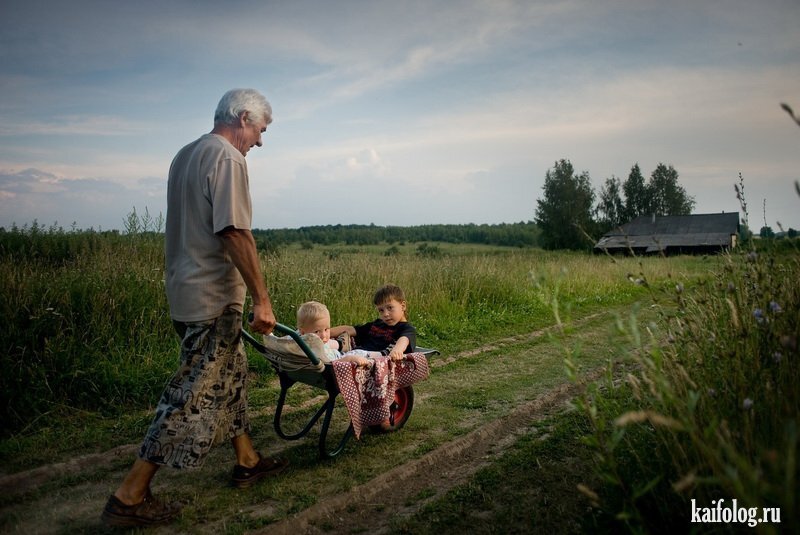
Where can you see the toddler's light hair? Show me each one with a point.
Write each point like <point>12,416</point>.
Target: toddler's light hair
<point>311,311</point>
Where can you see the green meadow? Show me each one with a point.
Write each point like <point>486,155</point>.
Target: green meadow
<point>87,327</point>
<point>700,398</point>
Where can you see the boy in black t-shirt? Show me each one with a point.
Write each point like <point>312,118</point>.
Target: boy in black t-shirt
<point>390,333</point>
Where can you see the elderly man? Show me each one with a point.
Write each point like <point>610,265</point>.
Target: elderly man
<point>211,261</point>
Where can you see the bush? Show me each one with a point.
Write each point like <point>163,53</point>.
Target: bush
<point>429,251</point>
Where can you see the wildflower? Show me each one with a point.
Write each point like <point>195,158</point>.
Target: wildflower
<point>731,287</point>
<point>679,288</point>
<point>758,314</point>
<point>752,256</point>
<point>777,356</point>
<point>747,404</point>
<point>775,307</point>
<point>711,392</point>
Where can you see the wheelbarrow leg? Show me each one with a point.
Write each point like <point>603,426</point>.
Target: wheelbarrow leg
<point>323,434</point>
<point>285,385</point>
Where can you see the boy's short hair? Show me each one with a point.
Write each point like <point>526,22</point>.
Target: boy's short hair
<point>387,293</point>
<point>311,311</point>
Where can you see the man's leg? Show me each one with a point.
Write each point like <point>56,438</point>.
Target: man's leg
<point>251,467</point>
<point>136,485</point>
<point>132,505</point>
<point>246,455</point>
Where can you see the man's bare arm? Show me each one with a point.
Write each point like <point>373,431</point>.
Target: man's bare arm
<point>241,247</point>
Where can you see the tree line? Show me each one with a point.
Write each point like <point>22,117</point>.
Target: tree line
<point>566,215</point>
<point>522,234</point>
<point>569,218</point>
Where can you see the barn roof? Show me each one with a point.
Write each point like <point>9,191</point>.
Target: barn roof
<point>654,233</point>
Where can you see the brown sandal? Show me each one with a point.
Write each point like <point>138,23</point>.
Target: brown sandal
<point>148,512</point>
<point>243,477</point>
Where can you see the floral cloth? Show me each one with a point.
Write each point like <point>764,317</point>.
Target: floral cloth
<point>369,392</point>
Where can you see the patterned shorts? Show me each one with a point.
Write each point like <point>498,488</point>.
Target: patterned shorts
<point>206,400</point>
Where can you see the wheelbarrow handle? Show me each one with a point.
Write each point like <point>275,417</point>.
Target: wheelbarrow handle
<point>283,329</point>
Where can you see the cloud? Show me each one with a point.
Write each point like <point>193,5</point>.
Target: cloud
<point>33,194</point>
<point>393,45</point>
<point>77,125</point>
<point>367,162</point>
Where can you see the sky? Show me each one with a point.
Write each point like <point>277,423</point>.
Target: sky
<point>397,112</point>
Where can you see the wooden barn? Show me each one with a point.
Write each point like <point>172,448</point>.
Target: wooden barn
<point>674,234</point>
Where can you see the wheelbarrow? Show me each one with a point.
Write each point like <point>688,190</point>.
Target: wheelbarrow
<point>295,361</point>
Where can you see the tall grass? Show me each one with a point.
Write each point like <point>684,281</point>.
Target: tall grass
<point>455,297</point>
<point>87,327</point>
<point>709,405</point>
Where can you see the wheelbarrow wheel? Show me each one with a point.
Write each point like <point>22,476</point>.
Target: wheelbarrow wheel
<point>399,411</point>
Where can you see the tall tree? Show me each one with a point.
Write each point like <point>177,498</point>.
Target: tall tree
<point>667,197</point>
<point>564,213</point>
<point>635,190</point>
<point>610,208</point>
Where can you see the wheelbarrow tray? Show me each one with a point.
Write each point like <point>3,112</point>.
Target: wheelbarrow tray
<point>303,366</point>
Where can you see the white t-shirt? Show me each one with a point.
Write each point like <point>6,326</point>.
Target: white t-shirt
<point>208,191</point>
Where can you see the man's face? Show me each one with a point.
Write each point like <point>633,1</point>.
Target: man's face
<point>251,134</point>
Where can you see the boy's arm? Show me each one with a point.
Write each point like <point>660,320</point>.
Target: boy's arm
<point>341,329</point>
<point>399,348</point>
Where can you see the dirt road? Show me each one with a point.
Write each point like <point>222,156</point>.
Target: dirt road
<point>434,474</point>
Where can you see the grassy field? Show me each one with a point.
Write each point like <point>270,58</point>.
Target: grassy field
<point>87,327</point>
<point>703,403</point>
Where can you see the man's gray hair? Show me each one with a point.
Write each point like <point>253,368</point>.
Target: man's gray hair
<point>237,101</point>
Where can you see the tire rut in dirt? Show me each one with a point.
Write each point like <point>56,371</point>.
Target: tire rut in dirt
<point>436,472</point>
